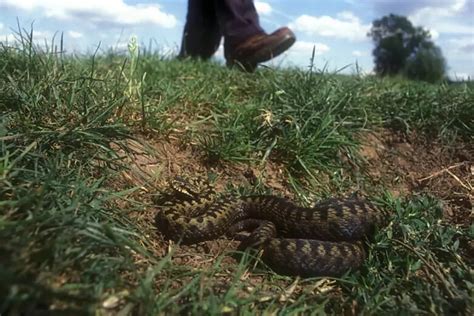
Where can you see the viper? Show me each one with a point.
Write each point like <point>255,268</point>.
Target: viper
<point>326,239</point>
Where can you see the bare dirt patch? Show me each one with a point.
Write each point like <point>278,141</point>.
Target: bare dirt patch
<point>405,165</point>
<point>411,165</point>
<point>153,162</point>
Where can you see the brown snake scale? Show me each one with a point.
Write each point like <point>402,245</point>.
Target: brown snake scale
<point>323,240</point>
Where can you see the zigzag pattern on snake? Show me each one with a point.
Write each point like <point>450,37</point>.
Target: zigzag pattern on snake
<point>323,240</point>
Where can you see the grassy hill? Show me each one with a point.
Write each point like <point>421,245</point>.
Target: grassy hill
<point>88,142</point>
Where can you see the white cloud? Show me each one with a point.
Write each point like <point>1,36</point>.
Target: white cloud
<point>348,16</point>
<point>443,17</point>
<point>345,26</point>
<point>42,35</point>
<point>458,5</point>
<point>302,47</point>
<point>1,26</point>
<point>97,12</point>
<point>405,8</point>
<point>452,27</point>
<point>434,34</point>
<point>461,76</point>
<point>263,8</point>
<point>7,38</point>
<point>121,46</point>
<point>358,53</point>
<point>41,38</point>
<point>462,45</point>
<point>75,34</point>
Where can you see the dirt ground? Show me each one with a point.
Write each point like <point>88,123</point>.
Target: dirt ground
<point>410,165</point>
<point>403,164</point>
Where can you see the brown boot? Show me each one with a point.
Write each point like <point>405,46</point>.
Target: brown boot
<point>260,48</point>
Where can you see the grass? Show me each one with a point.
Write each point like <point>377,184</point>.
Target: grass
<point>69,235</point>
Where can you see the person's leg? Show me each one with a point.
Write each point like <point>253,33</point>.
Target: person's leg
<point>202,33</point>
<point>238,20</point>
<point>245,42</point>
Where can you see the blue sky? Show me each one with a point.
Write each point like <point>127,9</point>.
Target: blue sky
<point>335,28</point>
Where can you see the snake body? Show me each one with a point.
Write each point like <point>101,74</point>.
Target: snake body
<point>323,240</point>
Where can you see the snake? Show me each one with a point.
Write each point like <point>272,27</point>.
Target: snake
<point>326,239</point>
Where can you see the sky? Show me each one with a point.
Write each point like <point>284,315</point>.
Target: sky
<point>336,29</point>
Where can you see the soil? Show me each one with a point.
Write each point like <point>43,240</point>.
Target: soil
<point>409,165</point>
<point>405,165</point>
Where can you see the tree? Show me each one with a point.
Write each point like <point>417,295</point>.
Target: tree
<point>398,45</point>
<point>427,64</point>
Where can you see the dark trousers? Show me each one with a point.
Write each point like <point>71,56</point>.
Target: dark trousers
<point>208,20</point>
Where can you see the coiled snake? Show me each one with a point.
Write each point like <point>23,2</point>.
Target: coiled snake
<point>323,240</point>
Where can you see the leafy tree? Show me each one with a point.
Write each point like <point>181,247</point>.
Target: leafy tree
<point>399,45</point>
<point>427,64</point>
